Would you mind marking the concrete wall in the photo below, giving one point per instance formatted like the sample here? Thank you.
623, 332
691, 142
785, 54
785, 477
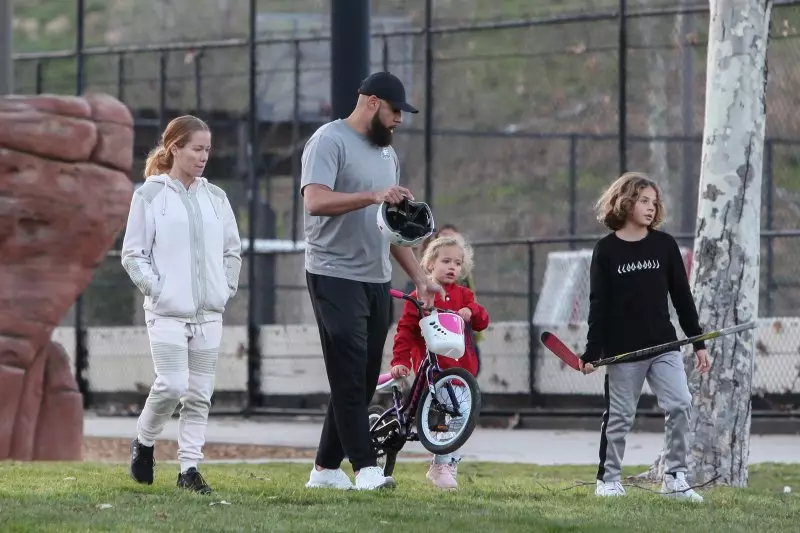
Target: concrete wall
120, 359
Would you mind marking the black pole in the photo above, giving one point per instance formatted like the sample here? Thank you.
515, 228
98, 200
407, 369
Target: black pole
198, 82
121, 77
162, 91
350, 36
6, 48
768, 154
689, 185
428, 140
533, 334
623, 89
385, 53
39, 77
81, 349
253, 330
573, 187
296, 143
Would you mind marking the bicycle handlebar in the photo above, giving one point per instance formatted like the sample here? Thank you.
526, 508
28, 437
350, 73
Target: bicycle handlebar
394, 293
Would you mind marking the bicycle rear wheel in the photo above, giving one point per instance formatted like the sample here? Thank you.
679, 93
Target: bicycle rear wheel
439, 431
383, 438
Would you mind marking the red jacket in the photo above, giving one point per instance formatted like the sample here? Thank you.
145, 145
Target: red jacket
409, 346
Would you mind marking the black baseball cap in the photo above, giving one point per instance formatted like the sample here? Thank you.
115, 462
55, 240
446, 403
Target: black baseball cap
387, 86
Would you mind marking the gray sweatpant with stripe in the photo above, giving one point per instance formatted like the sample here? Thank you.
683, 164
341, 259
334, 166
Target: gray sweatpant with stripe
185, 358
623, 385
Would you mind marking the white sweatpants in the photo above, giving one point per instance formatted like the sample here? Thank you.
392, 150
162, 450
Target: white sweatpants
185, 359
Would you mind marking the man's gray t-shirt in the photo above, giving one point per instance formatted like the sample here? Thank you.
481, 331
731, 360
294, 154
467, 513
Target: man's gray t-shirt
347, 246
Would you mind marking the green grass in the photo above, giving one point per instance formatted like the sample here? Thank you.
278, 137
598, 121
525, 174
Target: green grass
38, 497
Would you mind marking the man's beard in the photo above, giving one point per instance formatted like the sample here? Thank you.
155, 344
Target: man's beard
377, 133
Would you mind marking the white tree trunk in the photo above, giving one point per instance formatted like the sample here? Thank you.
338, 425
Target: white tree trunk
725, 273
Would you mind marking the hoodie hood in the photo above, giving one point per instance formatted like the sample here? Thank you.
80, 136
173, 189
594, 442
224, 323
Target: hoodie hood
176, 186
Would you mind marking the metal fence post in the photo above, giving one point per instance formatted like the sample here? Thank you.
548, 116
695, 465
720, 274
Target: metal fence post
296, 143
428, 136
385, 53
39, 77
770, 185
81, 349
573, 186
623, 87
162, 91
253, 330
121, 77
6, 48
688, 185
198, 81
533, 334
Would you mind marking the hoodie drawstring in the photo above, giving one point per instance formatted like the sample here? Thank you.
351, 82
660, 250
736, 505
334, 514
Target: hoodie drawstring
205, 184
195, 327
164, 203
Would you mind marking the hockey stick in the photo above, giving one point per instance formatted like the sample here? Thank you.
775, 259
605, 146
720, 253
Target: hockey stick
553, 344
560, 349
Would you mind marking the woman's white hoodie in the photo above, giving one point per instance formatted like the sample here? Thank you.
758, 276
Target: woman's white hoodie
182, 249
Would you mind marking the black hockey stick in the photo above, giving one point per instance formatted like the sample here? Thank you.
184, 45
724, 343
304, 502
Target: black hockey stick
667, 346
561, 350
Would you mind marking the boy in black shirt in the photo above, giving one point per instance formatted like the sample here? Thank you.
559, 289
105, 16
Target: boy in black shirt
633, 270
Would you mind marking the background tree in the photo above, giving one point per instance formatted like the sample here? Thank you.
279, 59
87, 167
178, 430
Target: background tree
725, 273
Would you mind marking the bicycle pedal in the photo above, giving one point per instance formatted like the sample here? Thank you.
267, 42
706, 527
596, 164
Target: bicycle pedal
386, 428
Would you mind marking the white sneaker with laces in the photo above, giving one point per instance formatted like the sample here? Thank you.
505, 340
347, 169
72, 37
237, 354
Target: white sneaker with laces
371, 478
329, 479
609, 488
676, 486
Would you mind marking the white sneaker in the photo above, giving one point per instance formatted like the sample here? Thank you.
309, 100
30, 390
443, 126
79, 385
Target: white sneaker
609, 488
329, 479
677, 487
371, 478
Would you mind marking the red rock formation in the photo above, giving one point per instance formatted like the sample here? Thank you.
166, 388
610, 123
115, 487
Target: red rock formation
64, 197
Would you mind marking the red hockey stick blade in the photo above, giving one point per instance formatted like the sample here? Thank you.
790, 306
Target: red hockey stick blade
554, 344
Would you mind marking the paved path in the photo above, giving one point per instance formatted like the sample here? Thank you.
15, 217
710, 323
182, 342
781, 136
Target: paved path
547, 447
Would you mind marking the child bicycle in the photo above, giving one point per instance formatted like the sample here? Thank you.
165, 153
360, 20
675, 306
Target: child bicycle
434, 411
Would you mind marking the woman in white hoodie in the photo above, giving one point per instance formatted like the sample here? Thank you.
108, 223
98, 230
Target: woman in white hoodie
182, 250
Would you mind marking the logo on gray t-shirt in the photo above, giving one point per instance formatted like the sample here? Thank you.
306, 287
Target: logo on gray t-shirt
347, 246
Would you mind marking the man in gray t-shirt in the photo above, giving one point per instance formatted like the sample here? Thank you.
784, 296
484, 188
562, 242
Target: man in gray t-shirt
348, 169
348, 245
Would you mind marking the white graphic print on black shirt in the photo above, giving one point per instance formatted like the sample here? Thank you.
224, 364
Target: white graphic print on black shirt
628, 298
640, 265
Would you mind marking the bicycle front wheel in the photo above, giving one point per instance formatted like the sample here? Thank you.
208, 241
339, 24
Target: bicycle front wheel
440, 430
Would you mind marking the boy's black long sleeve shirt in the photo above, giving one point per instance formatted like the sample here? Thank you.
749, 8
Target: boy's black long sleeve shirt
629, 285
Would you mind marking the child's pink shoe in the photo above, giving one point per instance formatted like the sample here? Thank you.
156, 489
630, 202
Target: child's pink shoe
442, 476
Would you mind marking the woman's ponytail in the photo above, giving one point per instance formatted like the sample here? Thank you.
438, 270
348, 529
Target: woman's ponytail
159, 161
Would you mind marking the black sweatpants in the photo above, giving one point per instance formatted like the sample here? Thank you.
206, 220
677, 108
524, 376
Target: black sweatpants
353, 321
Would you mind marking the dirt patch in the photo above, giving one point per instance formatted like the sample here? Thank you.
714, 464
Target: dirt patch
110, 450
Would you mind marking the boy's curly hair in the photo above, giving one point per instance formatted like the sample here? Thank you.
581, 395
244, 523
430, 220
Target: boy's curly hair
618, 200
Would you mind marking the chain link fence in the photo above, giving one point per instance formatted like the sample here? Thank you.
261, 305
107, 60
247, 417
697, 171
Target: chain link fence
528, 102
540, 282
